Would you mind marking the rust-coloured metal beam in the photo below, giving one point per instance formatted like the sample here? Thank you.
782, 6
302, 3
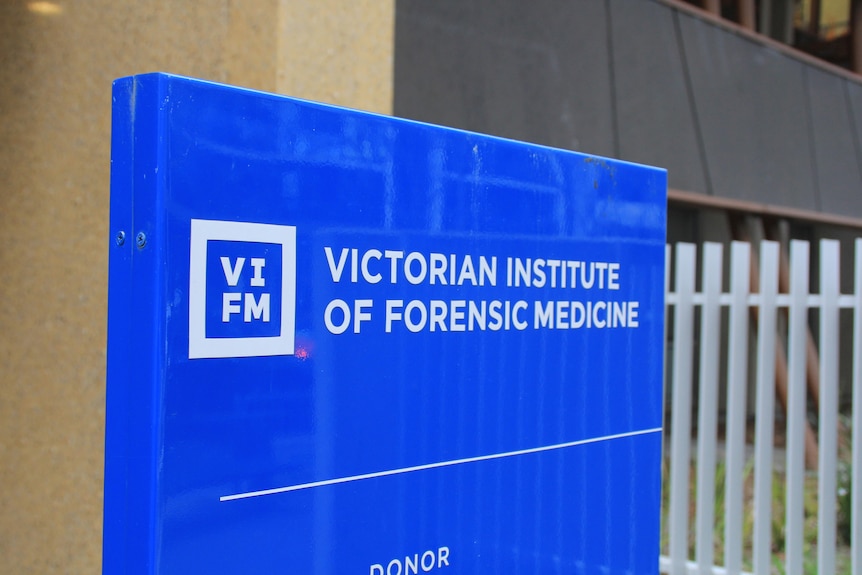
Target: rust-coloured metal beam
814, 18
752, 35
747, 17
713, 7
812, 355
856, 35
740, 232
760, 209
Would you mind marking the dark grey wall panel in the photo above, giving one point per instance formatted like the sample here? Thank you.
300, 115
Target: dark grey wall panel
752, 110
854, 95
654, 115
639, 80
838, 179
537, 71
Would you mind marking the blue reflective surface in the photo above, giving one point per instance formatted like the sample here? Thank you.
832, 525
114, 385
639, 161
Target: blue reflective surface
507, 428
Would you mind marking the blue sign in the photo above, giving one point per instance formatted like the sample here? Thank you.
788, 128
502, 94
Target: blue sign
345, 343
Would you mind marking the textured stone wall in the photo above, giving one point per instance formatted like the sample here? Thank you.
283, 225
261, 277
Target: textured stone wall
57, 61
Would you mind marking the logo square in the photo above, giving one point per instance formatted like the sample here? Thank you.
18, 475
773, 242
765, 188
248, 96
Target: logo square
242, 286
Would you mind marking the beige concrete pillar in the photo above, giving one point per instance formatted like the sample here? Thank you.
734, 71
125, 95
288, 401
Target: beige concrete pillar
338, 52
57, 60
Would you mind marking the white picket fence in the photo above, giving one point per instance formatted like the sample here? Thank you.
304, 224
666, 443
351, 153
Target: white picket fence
684, 301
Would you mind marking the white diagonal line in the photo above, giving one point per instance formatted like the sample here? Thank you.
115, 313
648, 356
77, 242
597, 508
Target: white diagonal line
338, 480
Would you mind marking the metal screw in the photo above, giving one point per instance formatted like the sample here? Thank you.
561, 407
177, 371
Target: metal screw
141, 240
121, 238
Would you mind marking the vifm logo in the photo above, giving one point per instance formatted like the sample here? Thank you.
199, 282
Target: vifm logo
242, 289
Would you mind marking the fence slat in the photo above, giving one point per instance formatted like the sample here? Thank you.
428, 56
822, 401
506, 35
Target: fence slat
828, 432
683, 327
856, 488
710, 328
737, 375
665, 477
763, 432
829, 302
796, 413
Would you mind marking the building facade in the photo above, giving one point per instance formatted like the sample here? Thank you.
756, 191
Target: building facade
743, 123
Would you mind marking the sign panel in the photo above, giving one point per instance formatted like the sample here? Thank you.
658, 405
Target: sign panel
346, 343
